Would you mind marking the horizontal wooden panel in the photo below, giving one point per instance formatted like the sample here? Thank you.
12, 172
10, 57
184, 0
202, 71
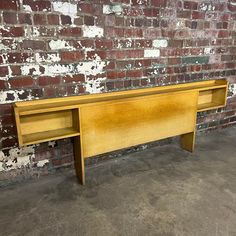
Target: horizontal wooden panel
120, 124
49, 135
28, 107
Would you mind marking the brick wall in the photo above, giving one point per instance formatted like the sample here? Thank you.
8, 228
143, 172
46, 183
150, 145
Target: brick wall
52, 48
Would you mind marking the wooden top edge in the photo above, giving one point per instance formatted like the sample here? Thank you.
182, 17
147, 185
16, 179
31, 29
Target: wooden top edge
63, 101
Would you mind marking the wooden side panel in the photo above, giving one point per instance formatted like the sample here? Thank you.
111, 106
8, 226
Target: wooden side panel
119, 124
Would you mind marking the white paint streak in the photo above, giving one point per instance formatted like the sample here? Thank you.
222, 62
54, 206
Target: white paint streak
49, 58
66, 8
42, 163
59, 44
92, 31
91, 67
27, 8
94, 85
151, 53
160, 43
18, 158
30, 69
110, 9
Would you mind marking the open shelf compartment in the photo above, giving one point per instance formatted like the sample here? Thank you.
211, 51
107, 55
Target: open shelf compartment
42, 127
212, 98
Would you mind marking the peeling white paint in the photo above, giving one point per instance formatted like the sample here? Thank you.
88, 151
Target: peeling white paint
15, 96
56, 69
60, 44
151, 53
92, 31
27, 8
208, 50
49, 58
35, 32
94, 85
232, 90
207, 7
42, 163
30, 69
160, 43
18, 157
66, 8
91, 67
232, 3
110, 9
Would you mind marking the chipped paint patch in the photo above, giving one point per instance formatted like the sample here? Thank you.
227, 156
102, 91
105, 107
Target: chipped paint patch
91, 67
31, 69
208, 50
11, 96
92, 31
17, 158
112, 9
160, 43
59, 44
207, 7
42, 163
94, 85
56, 69
232, 90
151, 53
66, 8
27, 8
49, 58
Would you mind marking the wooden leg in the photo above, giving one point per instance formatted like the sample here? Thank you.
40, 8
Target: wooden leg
79, 160
188, 141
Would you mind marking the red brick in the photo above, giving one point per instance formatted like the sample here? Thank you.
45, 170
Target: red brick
24, 18
198, 15
151, 12
104, 44
88, 20
72, 56
3, 71
9, 4
2, 84
65, 20
75, 31
47, 80
223, 34
40, 19
159, 3
16, 57
21, 82
79, 78
39, 5
53, 19
190, 5
134, 73
34, 44
12, 32
10, 17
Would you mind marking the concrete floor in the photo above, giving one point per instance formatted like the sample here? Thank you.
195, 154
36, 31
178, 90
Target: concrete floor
161, 191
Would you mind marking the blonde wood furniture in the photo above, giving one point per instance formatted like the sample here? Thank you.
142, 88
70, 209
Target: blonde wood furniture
101, 123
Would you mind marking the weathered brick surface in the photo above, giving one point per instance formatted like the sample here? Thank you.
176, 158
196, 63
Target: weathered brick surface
61, 48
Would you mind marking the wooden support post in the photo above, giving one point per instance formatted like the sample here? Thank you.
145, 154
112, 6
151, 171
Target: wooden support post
79, 160
187, 141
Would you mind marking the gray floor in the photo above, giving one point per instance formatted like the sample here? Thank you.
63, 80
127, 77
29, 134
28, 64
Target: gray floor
160, 191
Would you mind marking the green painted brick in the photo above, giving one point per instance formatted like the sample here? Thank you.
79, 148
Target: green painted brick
195, 60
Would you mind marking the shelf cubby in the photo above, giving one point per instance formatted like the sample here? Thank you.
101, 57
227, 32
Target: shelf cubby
212, 98
46, 126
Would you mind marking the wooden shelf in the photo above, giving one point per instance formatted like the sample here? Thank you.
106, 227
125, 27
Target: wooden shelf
212, 98
209, 106
49, 135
